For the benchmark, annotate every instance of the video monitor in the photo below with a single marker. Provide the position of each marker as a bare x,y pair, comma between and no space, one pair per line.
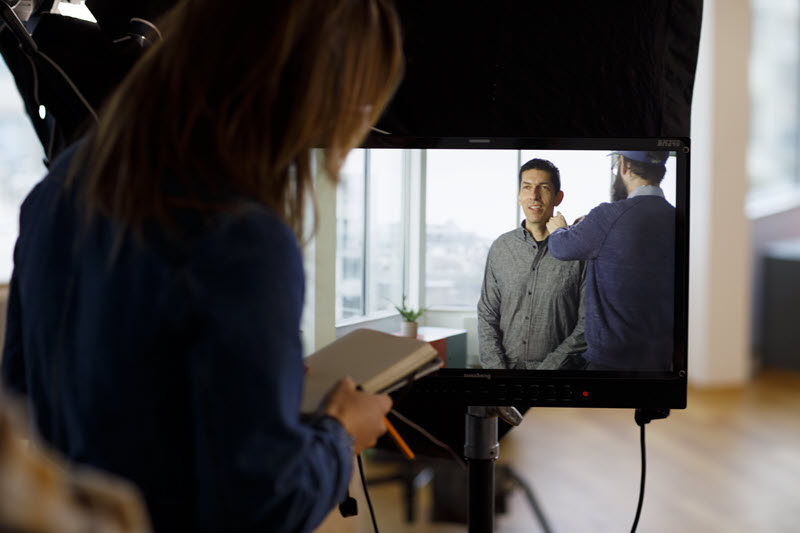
573,255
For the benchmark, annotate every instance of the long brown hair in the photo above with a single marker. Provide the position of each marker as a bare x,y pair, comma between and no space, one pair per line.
230,103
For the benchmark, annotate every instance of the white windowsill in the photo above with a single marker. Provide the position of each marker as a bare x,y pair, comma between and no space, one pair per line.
453,309
365,319
773,201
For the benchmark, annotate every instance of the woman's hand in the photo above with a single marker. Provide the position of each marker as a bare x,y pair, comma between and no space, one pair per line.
362,414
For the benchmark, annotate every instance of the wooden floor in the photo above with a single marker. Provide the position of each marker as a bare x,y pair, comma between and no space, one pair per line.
728,463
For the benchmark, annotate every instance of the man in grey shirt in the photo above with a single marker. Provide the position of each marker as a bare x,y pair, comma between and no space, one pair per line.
530,313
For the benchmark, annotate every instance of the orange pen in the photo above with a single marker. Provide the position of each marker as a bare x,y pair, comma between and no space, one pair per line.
398,439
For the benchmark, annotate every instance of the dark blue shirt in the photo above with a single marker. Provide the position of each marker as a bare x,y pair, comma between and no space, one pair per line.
630,277
176,364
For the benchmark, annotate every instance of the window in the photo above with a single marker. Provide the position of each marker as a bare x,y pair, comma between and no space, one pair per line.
350,236
21,166
774,135
75,9
370,234
470,200
586,179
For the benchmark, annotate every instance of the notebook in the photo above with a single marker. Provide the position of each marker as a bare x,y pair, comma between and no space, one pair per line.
377,361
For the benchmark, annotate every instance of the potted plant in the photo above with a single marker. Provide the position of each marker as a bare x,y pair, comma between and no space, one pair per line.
410,316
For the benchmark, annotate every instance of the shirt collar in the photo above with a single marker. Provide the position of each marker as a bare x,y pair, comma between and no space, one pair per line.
647,190
527,234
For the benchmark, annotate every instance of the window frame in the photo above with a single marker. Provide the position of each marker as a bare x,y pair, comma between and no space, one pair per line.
367,273
414,227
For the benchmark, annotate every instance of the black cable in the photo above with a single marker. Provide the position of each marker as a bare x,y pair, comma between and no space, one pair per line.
643,417
422,431
641,483
366,492
537,510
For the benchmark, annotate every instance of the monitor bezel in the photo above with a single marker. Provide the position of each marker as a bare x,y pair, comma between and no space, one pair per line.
530,388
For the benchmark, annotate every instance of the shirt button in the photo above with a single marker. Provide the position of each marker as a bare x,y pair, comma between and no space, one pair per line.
529,292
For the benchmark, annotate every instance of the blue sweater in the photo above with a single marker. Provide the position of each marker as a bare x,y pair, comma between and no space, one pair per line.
630,276
175,364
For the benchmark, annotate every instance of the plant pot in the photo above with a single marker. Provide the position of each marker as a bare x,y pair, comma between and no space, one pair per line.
408,329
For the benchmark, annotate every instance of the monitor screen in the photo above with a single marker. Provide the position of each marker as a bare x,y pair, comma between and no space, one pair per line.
573,254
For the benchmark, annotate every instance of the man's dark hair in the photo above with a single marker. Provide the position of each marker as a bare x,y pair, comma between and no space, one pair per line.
653,173
542,164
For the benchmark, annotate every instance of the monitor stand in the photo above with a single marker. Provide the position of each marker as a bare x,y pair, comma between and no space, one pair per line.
481,449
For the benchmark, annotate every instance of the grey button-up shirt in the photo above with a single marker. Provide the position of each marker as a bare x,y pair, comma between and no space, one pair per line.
530,314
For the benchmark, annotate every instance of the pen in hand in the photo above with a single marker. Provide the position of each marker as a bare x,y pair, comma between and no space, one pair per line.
398,440
393,433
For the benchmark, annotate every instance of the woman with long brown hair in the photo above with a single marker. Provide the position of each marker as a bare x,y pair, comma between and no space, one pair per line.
158,285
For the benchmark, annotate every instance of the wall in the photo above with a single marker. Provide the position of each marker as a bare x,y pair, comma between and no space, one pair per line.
720,260
766,230
319,259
